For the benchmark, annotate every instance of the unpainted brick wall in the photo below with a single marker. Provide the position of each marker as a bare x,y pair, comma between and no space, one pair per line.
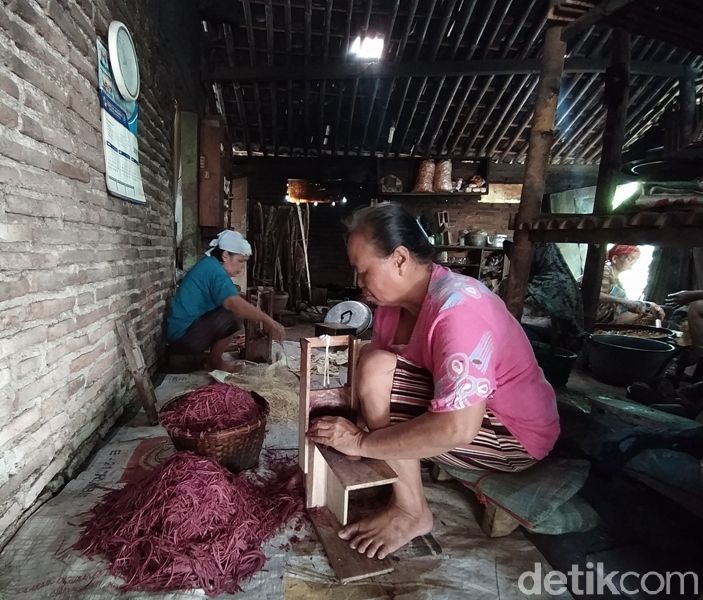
72,258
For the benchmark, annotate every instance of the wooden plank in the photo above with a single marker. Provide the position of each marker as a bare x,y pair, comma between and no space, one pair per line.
348,564
593,16
358,474
304,446
239,200
352,362
337,498
686,237
137,367
211,201
496,522
315,479
335,340
258,343
330,402
426,68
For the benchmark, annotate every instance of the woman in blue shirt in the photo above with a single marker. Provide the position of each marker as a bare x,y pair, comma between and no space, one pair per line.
207,309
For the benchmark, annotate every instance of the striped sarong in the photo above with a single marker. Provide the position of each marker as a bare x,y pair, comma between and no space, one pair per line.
494,448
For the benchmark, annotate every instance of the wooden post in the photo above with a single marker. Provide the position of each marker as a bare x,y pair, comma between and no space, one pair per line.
617,83
687,107
258,344
190,243
137,366
541,138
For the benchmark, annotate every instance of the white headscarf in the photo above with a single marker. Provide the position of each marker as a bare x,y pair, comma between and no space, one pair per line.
231,241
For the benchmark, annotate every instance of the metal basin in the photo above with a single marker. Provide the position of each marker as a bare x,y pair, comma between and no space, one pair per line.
621,359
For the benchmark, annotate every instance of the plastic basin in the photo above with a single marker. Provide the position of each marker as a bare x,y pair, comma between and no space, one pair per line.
622,360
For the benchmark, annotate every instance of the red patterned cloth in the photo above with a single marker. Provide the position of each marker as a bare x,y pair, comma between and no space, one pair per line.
621,250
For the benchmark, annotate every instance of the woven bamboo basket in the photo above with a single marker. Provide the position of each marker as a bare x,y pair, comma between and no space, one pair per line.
237,448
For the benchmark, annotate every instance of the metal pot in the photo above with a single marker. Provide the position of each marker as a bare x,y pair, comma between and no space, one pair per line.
621,359
496,241
352,314
477,238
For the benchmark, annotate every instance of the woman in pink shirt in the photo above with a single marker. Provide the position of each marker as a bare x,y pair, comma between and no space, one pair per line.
449,375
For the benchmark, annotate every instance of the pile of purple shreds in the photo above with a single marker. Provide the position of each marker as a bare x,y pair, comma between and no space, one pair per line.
211,408
191,524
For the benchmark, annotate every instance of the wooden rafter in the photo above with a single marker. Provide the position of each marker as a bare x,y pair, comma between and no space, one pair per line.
458,80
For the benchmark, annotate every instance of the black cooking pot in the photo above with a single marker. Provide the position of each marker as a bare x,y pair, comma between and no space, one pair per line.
556,362
647,332
621,359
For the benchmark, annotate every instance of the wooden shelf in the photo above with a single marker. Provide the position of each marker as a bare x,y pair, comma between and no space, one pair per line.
406,170
458,265
671,228
434,194
455,247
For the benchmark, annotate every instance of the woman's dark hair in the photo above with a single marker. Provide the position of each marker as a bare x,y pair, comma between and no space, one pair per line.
390,225
216,252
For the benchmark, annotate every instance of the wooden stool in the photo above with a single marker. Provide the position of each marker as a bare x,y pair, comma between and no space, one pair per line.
495,522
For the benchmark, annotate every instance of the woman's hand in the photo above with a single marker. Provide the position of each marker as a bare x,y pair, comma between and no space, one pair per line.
636,307
656,310
277,331
338,433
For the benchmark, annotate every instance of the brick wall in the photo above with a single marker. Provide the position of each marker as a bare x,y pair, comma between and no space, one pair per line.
72,258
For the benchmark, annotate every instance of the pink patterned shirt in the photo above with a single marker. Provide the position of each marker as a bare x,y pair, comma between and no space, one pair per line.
476,350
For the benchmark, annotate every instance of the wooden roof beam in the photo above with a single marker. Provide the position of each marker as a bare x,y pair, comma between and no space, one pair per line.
321,126
357,69
391,85
399,56
593,16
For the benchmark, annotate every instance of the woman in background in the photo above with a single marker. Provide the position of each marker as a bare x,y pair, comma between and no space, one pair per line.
207,310
614,306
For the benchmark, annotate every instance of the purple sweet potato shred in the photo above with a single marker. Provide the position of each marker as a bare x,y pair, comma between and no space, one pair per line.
191,524
211,408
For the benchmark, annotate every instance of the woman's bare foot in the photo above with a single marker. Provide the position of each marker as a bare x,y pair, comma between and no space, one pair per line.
385,532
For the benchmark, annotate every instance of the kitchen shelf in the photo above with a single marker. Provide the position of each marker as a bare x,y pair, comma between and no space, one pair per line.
406,170
481,265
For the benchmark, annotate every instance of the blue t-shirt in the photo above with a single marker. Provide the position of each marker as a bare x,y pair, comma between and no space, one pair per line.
204,288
